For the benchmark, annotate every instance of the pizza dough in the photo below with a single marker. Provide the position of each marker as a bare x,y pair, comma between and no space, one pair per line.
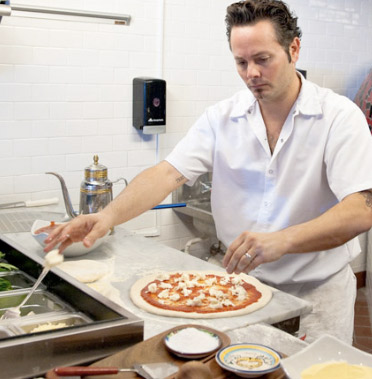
85,270
135,294
339,370
105,288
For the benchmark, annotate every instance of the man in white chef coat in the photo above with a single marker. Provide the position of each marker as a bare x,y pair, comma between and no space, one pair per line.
291,174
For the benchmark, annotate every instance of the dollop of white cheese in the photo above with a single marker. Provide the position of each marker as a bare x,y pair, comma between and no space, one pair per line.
217,293
210,281
165,285
153,287
186,292
239,292
164,294
190,283
215,305
196,301
180,286
185,277
236,280
227,302
224,281
53,258
174,297
163,276
199,276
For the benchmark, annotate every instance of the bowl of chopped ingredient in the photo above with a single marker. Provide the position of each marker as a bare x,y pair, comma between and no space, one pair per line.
74,250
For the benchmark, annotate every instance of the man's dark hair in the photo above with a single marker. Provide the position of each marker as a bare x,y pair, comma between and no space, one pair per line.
249,12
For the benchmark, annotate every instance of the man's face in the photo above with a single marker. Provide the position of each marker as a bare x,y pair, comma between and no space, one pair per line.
262,62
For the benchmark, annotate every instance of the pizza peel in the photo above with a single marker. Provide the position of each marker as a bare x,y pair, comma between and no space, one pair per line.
148,371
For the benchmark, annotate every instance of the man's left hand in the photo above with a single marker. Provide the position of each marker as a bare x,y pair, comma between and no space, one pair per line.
250,250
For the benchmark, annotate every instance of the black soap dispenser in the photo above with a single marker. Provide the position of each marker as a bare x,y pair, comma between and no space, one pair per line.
149,105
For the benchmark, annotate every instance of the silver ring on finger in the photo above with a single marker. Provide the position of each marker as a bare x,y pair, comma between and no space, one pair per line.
249,256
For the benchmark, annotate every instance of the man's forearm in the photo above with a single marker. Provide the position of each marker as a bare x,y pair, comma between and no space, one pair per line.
341,223
344,221
145,191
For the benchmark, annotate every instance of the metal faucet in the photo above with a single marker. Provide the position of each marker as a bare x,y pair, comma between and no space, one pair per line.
206,187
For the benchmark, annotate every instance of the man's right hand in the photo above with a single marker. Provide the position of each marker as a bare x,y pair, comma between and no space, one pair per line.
85,228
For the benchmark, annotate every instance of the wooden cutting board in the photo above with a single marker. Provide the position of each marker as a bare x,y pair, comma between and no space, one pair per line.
153,350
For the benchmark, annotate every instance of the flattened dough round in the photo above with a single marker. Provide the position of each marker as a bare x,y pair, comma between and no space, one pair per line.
135,294
85,270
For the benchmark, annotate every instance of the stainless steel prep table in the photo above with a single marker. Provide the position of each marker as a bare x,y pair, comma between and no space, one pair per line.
93,326
130,257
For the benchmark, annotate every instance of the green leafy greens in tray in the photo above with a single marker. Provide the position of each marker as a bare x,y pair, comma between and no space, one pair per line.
5,285
6,266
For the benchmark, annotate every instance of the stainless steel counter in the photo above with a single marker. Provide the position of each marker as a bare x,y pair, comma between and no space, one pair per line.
129,257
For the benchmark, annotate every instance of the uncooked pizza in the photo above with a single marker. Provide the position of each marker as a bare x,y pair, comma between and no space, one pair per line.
200,294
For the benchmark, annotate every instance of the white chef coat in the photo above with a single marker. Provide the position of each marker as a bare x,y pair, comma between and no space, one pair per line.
324,153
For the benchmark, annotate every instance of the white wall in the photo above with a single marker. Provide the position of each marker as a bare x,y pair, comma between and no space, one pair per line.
65,87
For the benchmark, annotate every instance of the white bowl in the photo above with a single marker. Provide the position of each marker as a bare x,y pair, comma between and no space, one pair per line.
248,360
74,250
325,349
192,342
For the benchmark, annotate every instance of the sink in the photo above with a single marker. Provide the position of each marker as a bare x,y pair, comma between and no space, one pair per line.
202,205
198,203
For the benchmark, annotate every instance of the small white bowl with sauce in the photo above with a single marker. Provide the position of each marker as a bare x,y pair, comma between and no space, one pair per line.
75,250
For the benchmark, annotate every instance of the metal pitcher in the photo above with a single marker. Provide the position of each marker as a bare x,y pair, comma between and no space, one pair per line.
95,189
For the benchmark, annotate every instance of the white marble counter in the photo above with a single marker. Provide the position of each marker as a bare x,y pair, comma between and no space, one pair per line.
129,257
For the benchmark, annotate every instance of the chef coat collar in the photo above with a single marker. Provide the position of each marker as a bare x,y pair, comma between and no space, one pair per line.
307,103
245,104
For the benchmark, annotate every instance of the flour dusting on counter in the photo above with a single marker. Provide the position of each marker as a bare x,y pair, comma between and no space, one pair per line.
105,288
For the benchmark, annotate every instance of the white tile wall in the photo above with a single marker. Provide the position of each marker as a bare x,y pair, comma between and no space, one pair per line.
65,87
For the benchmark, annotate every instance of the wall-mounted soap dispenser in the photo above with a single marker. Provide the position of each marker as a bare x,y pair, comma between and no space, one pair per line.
149,104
